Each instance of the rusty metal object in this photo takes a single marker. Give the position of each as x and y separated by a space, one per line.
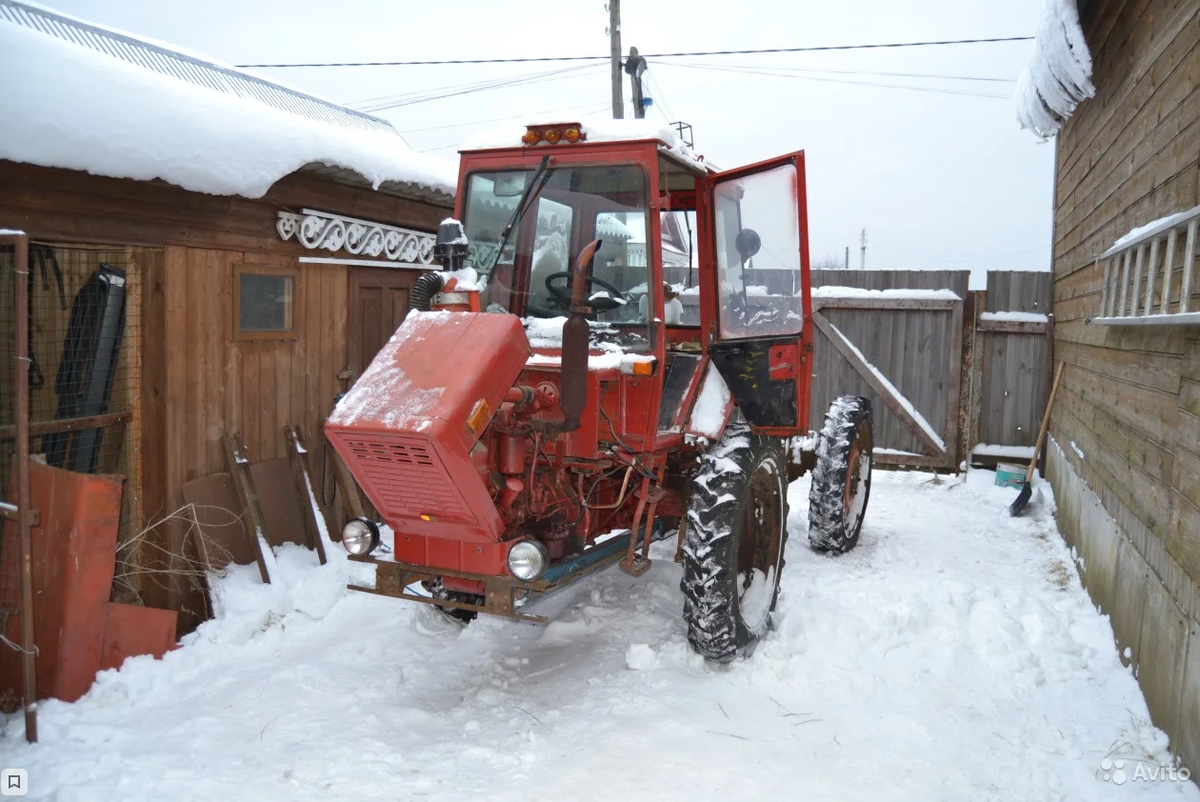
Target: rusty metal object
239 469
633 563
500 593
679 541
223 538
654 495
20 245
308 497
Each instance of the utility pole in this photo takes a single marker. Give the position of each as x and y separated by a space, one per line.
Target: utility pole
863 264
635 65
614 41
847 257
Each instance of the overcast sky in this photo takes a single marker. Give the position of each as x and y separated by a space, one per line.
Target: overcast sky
938 180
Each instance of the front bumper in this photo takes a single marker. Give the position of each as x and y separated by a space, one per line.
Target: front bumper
502 595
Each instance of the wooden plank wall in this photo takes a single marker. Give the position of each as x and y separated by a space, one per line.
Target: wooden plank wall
1123 399
1128 414
910 347
216 385
195 380
1014 365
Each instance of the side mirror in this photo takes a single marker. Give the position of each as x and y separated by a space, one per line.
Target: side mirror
747 243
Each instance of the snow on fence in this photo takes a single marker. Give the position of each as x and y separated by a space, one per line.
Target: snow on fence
944 371
894 337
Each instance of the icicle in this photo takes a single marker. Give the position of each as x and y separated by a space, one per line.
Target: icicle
1059 74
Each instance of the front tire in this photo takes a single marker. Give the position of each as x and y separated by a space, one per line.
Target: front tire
733 551
841 482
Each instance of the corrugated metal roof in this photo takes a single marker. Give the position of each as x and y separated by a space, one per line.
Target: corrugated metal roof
187 68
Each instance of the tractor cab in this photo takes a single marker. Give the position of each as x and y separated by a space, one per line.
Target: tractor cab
690 261
617 349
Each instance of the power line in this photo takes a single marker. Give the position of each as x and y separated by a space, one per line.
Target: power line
938 76
467 89
358 104
660 101
814 49
940 91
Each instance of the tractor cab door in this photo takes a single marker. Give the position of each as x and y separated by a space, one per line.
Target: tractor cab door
760 339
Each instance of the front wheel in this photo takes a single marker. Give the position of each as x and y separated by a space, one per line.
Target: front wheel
733 552
841 481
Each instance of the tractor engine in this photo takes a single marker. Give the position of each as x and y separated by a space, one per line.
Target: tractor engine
459 457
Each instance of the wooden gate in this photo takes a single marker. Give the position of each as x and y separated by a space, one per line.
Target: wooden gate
895 337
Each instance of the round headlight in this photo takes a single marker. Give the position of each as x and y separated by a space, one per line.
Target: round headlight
360 536
527 560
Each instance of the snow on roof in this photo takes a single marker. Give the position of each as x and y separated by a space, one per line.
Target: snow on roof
118 105
1059 74
596 129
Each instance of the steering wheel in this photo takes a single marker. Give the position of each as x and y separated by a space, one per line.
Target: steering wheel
561 296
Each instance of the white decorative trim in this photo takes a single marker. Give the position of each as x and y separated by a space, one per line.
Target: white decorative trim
318 230
333 260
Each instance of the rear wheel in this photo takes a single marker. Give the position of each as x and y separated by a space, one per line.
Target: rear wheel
733 548
841 482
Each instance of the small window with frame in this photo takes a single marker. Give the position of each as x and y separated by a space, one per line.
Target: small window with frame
264 302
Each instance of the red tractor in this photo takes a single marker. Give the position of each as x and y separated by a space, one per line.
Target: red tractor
570 388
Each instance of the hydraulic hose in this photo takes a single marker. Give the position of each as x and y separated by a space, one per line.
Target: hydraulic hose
424 289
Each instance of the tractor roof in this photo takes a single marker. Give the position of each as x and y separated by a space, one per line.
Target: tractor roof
595 130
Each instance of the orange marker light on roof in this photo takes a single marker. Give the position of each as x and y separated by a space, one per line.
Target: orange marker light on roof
531 137
552 136
571 135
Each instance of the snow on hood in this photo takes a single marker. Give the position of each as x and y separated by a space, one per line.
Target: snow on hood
1059 74
596 129
78 108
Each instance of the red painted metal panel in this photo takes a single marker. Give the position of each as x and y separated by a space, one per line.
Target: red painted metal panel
130 631
406 428
74 549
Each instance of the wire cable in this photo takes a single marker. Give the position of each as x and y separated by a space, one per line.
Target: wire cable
822 70
606 57
934 90
472 88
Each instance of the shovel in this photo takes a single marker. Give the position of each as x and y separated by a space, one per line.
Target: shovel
1022 500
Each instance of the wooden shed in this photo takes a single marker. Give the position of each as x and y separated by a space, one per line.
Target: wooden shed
1125 456
263 241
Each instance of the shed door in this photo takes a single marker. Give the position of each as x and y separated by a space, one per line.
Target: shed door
378 304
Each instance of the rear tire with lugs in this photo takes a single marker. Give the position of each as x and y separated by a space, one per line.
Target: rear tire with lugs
733 551
841 480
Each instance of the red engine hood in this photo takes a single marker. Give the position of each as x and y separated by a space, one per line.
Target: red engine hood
407 426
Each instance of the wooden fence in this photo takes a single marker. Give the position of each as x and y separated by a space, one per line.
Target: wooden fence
946 368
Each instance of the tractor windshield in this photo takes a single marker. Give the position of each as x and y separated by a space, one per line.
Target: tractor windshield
568 207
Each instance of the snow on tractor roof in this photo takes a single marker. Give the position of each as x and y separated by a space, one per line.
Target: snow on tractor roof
595 129
1059 74
109 103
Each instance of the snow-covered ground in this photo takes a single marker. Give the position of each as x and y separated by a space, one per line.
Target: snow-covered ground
952 655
